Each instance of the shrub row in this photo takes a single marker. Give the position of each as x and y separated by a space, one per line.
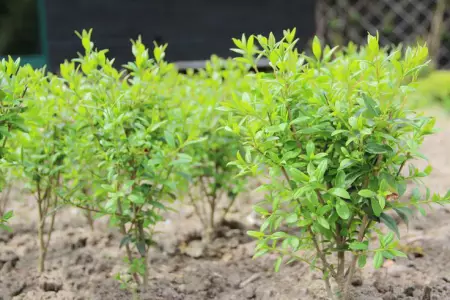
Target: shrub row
331 131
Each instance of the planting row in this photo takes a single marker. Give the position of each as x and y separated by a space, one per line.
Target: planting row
331 132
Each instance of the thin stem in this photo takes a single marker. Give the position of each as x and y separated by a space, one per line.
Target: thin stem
123 231
143 255
40 228
401 167
227 209
351 270
322 256
319 195
283 169
196 209
5 199
328 287
87 208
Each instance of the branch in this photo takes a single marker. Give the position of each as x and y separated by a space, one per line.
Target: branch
321 254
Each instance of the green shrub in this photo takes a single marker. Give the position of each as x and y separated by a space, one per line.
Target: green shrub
210 177
336 137
12 90
134 132
41 152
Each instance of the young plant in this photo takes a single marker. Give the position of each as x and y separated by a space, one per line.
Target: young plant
137 133
12 90
214 185
336 136
41 151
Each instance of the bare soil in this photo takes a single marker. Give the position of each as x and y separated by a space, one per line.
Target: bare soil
82 262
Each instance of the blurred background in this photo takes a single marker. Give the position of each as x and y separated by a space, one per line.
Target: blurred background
41 32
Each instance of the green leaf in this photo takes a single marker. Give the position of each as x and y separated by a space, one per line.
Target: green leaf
8 215
377 148
317 48
260 253
321 169
183 158
322 221
200 140
390 223
157 204
367 193
137 199
381 201
169 139
298 175
387 254
358 246
260 210
397 253
127 185
310 147
278 263
378 260
336 132
346 163
140 245
387 239
292 218
295 243
376 207
342 209
340 179
124 241
279 235
255 234
404 213
362 259
371 106
304 222
339 192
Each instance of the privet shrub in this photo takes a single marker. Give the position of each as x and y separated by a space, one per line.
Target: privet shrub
334 131
135 131
41 152
12 90
212 181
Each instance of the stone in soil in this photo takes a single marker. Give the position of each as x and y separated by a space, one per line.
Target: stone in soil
50 282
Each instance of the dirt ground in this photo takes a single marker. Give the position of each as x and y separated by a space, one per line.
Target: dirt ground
81 262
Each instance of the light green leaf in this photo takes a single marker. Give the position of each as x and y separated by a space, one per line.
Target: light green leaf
298 175
255 234
362 261
292 218
376 207
137 199
346 163
397 253
278 263
322 221
310 147
358 246
367 193
339 192
381 201
378 260
378 148
342 209
317 48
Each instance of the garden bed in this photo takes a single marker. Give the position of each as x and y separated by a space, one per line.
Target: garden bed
81 263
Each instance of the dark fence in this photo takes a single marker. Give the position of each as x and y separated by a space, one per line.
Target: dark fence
193 29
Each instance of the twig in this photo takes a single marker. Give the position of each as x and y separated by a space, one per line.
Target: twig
321 254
